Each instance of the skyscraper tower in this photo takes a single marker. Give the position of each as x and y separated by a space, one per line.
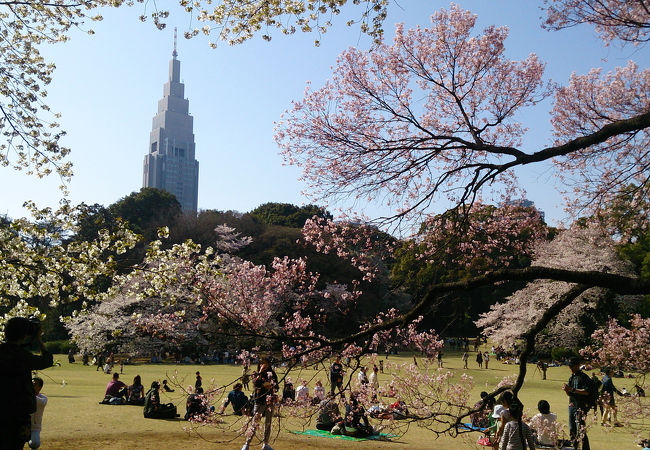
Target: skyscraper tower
170 164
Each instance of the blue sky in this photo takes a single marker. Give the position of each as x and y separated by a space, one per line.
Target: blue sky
106 86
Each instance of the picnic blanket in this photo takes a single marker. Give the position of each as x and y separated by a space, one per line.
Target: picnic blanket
469 426
327 434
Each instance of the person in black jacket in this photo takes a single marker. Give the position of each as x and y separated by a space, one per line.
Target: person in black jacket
196 406
16 365
336 375
153 409
578 389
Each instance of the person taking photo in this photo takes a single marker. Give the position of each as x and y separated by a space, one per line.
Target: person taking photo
16 365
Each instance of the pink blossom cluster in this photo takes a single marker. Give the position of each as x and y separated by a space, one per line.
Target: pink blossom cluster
627 348
602 173
579 248
613 19
162 326
485 236
251 296
353 242
409 121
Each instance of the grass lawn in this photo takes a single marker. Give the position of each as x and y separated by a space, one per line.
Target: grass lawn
74 419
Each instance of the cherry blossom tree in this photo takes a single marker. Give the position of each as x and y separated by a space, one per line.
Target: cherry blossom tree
624 347
433 119
434 115
137 326
483 237
579 248
613 19
154 305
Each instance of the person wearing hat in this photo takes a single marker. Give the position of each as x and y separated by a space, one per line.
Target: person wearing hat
578 391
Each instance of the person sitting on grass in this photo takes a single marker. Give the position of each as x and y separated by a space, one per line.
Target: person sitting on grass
166 387
516 434
238 400
544 425
328 413
302 393
116 391
355 413
481 418
378 410
640 392
196 406
136 392
153 409
319 393
288 392
399 410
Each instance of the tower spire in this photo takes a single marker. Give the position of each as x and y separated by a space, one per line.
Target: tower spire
174 53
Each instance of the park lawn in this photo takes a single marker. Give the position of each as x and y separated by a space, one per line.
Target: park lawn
75 420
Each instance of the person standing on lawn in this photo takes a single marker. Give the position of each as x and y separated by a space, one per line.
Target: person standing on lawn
578 391
336 375
37 416
265 398
609 405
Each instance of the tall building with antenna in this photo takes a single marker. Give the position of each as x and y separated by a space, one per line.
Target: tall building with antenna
170 164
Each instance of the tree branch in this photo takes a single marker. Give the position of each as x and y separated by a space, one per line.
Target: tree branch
537 327
633 124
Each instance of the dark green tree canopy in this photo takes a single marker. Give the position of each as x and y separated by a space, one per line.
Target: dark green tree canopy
287 215
147 209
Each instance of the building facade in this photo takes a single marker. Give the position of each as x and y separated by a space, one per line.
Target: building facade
170 164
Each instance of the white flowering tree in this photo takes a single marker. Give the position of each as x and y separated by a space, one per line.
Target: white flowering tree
155 306
587 249
54 272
